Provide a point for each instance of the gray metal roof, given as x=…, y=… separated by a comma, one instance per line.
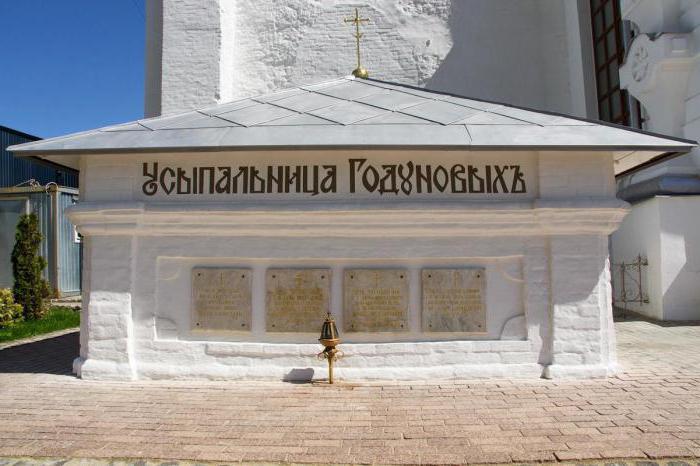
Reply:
x=358, y=113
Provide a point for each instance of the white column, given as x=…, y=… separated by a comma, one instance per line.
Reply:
x=107, y=343
x=583, y=339
x=189, y=54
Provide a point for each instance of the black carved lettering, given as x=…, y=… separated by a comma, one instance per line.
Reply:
x=313, y=180
x=310, y=183
x=406, y=178
x=488, y=178
x=329, y=181
x=184, y=182
x=388, y=182
x=257, y=183
x=474, y=180
x=242, y=178
x=499, y=179
x=518, y=180
x=167, y=188
x=423, y=174
x=223, y=184
x=355, y=165
x=150, y=186
x=370, y=179
x=292, y=179
x=208, y=172
x=458, y=182
x=275, y=180
x=440, y=178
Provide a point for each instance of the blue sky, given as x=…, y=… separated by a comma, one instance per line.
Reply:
x=70, y=65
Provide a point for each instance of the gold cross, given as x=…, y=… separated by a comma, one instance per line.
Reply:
x=359, y=72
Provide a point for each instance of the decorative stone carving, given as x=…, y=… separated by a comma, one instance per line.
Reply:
x=657, y=74
x=640, y=63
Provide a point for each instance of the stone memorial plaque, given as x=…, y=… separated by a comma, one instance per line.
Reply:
x=453, y=300
x=221, y=299
x=296, y=300
x=376, y=300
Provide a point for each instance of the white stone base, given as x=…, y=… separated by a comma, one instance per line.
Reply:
x=100, y=370
x=561, y=371
x=92, y=369
x=348, y=374
x=103, y=370
x=418, y=361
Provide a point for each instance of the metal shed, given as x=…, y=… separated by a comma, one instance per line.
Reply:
x=15, y=170
x=19, y=194
x=61, y=245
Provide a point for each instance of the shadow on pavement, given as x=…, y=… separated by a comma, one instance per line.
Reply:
x=50, y=356
x=620, y=315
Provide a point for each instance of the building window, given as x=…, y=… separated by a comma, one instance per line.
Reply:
x=611, y=38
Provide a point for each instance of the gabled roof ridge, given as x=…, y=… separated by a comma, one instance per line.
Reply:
x=355, y=100
x=202, y=110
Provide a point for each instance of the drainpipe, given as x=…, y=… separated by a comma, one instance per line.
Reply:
x=53, y=192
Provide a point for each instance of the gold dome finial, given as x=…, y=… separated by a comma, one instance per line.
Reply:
x=358, y=72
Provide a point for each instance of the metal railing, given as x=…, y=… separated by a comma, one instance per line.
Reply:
x=629, y=286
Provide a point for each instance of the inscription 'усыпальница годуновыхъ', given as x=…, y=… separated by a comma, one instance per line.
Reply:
x=362, y=176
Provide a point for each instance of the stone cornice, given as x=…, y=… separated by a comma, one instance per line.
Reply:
x=550, y=217
x=653, y=16
x=656, y=72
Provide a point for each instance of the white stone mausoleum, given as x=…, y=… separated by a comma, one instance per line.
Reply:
x=449, y=237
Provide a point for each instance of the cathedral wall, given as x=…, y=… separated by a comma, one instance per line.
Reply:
x=662, y=71
x=527, y=53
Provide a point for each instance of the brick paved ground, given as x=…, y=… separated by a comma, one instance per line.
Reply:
x=651, y=410
x=106, y=462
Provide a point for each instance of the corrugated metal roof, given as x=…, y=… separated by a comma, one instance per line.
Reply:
x=363, y=113
x=15, y=171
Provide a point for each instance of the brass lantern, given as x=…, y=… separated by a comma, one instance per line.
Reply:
x=329, y=332
x=329, y=339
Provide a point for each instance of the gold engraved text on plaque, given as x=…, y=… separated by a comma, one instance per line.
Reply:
x=453, y=300
x=297, y=300
x=221, y=299
x=376, y=300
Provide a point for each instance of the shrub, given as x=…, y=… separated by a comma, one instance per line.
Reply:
x=9, y=311
x=30, y=288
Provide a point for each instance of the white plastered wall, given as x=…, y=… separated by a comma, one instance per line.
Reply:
x=662, y=229
x=530, y=52
x=680, y=243
x=545, y=255
x=662, y=70
x=639, y=235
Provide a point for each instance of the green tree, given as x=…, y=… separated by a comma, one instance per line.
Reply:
x=30, y=288
x=9, y=311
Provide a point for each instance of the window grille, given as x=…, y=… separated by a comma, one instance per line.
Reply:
x=611, y=39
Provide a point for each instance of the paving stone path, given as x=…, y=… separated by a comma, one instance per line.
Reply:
x=649, y=412
x=96, y=462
